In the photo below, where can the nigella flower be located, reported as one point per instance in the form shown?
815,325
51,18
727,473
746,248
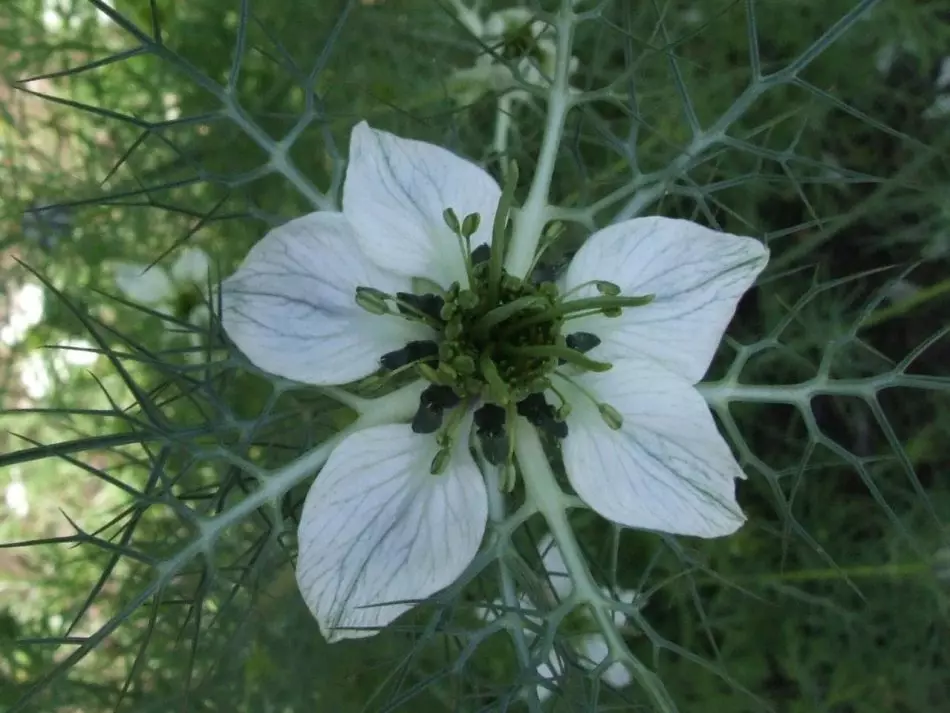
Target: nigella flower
518,48
178,291
408,280
589,646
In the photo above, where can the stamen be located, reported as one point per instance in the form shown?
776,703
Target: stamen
582,342
416,351
611,416
372,300
464,242
427,305
433,401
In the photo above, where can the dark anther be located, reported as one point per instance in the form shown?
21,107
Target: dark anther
481,254
582,342
490,419
412,352
411,305
439,397
427,419
533,407
434,400
426,350
541,414
490,429
396,359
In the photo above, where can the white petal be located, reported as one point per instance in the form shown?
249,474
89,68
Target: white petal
697,275
395,193
594,650
378,531
140,283
554,566
191,267
667,469
291,305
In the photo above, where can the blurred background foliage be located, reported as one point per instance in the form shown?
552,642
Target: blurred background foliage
821,126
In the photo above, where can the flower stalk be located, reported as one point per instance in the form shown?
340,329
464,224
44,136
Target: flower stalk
530,220
544,493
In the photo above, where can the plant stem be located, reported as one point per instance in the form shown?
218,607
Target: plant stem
530,220
542,489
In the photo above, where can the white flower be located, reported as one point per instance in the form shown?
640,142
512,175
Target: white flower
40,369
379,530
590,646
25,310
519,49
17,500
178,292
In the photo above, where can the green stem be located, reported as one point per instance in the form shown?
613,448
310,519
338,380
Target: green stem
533,215
544,492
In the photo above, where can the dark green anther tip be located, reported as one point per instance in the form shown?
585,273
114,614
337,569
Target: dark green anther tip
582,342
481,254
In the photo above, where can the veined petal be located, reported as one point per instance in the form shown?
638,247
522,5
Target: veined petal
666,469
140,283
553,562
291,305
395,194
379,531
191,267
696,274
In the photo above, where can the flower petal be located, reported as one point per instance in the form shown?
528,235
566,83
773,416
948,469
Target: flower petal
191,267
291,306
140,283
554,566
666,469
395,193
696,274
378,531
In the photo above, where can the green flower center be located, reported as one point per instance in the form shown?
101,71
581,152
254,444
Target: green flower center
500,339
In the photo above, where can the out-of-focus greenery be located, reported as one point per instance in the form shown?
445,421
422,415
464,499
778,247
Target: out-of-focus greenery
114,145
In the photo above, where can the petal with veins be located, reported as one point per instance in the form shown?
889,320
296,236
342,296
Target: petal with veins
395,194
666,469
696,274
380,533
291,305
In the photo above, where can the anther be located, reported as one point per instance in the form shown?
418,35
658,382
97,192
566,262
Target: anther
470,224
411,305
607,288
373,301
611,416
582,342
451,220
